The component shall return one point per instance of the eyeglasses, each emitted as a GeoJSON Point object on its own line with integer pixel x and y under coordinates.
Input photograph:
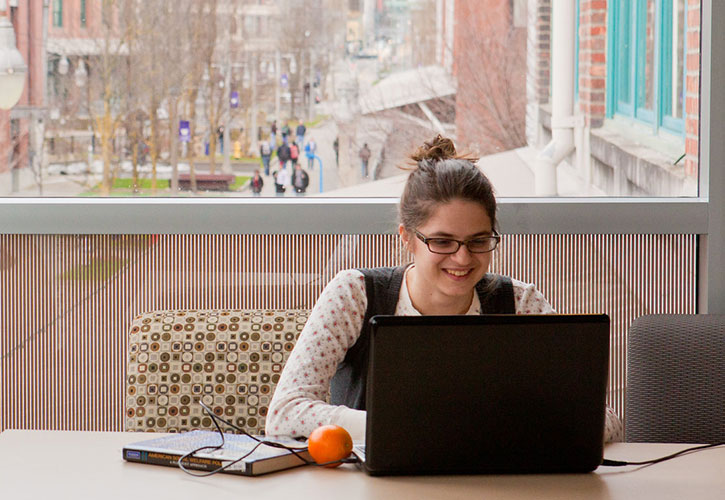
{"type": "Point", "coordinates": [447, 246]}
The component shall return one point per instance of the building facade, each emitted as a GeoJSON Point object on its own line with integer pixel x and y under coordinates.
{"type": "Point", "coordinates": [16, 125]}
{"type": "Point", "coordinates": [637, 67]}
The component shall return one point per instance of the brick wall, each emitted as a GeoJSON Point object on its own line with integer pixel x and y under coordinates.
{"type": "Point", "coordinates": [538, 55]}
{"type": "Point", "coordinates": [27, 22]}
{"type": "Point", "coordinates": [543, 50]}
{"type": "Point", "coordinates": [592, 60]}
{"type": "Point", "coordinates": [692, 88]}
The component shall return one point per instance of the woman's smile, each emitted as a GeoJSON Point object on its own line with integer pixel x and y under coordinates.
{"type": "Point", "coordinates": [443, 283]}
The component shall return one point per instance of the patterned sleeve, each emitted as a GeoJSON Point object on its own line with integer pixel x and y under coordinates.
{"type": "Point", "coordinates": [529, 300]}
{"type": "Point", "coordinates": [299, 404]}
{"type": "Point", "coordinates": [613, 429]}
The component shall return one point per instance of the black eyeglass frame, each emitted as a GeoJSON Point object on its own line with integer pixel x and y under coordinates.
{"type": "Point", "coordinates": [426, 240]}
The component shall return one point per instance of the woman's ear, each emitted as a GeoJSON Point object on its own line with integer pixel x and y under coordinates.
{"type": "Point", "coordinates": [404, 236]}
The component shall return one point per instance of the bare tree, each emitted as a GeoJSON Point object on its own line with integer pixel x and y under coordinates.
{"type": "Point", "coordinates": [306, 31]}
{"type": "Point", "coordinates": [105, 88]}
{"type": "Point", "coordinates": [491, 78]}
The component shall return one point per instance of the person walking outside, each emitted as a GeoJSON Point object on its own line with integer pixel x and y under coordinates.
{"type": "Point", "coordinates": [273, 134]}
{"type": "Point", "coordinates": [283, 154]}
{"type": "Point", "coordinates": [301, 130]}
{"type": "Point", "coordinates": [336, 147]}
{"type": "Point", "coordinates": [310, 152]}
{"type": "Point", "coordinates": [256, 183]}
{"type": "Point", "coordinates": [265, 151]}
{"type": "Point", "coordinates": [294, 153]}
{"type": "Point", "coordinates": [285, 132]}
{"type": "Point", "coordinates": [300, 180]}
{"type": "Point", "coordinates": [281, 181]}
{"type": "Point", "coordinates": [364, 155]}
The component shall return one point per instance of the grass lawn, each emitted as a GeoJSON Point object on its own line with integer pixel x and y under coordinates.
{"type": "Point", "coordinates": [239, 181]}
{"type": "Point", "coordinates": [142, 183]}
{"type": "Point", "coordinates": [316, 121]}
{"type": "Point", "coordinates": [124, 188]}
{"type": "Point", "coordinates": [219, 159]}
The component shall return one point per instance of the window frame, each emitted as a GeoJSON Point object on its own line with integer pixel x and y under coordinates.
{"type": "Point", "coordinates": [57, 13]}
{"type": "Point", "coordinates": [635, 14]}
{"type": "Point", "coordinates": [704, 215]}
{"type": "Point", "coordinates": [83, 14]}
{"type": "Point", "coordinates": [676, 125]}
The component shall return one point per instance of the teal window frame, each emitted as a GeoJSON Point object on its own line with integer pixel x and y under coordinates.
{"type": "Point", "coordinates": [665, 85]}
{"type": "Point", "coordinates": [576, 52]}
{"type": "Point", "coordinates": [58, 13]}
{"type": "Point", "coordinates": [626, 82]}
{"type": "Point", "coordinates": [84, 19]}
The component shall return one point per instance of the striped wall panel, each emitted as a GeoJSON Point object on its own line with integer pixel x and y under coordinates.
{"type": "Point", "coordinates": [624, 276]}
{"type": "Point", "coordinates": [67, 301]}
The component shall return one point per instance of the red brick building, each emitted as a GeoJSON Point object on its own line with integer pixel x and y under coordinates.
{"type": "Point", "coordinates": [15, 130]}
{"type": "Point", "coordinates": [638, 67]}
{"type": "Point", "coordinates": [69, 28]}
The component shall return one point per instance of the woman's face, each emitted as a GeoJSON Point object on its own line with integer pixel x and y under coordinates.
{"type": "Point", "coordinates": [448, 278]}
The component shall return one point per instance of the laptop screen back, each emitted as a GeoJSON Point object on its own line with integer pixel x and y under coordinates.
{"type": "Point", "coordinates": [486, 394]}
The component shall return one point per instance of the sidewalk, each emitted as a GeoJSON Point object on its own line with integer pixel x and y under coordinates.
{"type": "Point", "coordinates": [324, 135]}
{"type": "Point", "coordinates": [52, 185]}
{"type": "Point", "coordinates": [74, 181]}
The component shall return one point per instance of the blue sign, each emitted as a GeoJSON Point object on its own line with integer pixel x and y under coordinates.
{"type": "Point", "coordinates": [184, 131]}
{"type": "Point", "coordinates": [234, 99]}
{"type": "Point", "coordinates": [284, 80]}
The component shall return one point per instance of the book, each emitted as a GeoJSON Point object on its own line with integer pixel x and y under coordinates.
{"type": "Point", "coordinates": [264, 459]}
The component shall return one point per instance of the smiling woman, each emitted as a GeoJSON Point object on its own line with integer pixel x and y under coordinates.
{"type": "Point", "coordinates": [446, 197]}
{"type": "Point", "coordinates": [443, 282]}
{"type": "Point", "coordinates": [624, 257]}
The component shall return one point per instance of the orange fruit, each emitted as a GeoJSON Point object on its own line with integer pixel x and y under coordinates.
{"type": "Point", "coordinates": [329, 443]}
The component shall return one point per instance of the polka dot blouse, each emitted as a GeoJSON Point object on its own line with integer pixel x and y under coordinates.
{"type": "Point", "coordinates": [299, 404]}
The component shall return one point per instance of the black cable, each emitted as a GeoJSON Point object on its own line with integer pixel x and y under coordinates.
{"type": "Point", "coordinates": [687, 451]}
{"type": "Point", "coordinates": [215, 418]}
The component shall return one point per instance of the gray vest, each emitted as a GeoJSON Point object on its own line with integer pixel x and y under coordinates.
{"type": "Point", "coordinates": [382, 286]}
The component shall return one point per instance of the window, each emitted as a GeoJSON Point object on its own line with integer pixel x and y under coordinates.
{"type": "Point", "coordinates": [385, 75]}
{"type": "Point", "coordinates": [672, 60]}
{"type": "Point", "coordinates": [58, 13]}
{"type": "Point", "coordinates": [697, 223]}
{"type": "Point", "coordinates": [646, 70]}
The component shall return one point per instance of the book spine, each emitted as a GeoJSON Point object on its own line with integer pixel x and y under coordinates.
{"type": "Point", "coordinates": [172, 460]}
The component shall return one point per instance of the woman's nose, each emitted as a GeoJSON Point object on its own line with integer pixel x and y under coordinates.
{"type": "Point", "coordinates": [462, 254]}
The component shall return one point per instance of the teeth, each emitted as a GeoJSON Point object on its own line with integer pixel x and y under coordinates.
{"type": "Point", "coordinates": [457, 273]}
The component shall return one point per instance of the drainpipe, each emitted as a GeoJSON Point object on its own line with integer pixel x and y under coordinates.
{"type": "Point", "coordinates": [562, 98]}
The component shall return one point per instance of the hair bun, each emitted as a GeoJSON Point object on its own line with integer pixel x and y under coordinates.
{"type": "Point", "coordinates": [440, 148]}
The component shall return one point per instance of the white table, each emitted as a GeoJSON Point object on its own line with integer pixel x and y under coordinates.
{"type": "Point", "coordinates": [62, 464]}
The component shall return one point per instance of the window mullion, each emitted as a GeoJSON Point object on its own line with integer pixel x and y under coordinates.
{"type": "Point", "coordinates": [658, 48]}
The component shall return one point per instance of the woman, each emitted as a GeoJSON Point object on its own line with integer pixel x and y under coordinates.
{"type": "Point", "coordinates": [257, 183]}
{"type": "Point", "coordinates": [448, 222]}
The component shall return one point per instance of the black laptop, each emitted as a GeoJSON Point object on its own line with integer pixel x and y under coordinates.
{"type": "Point", "coordinates": [486, 394]}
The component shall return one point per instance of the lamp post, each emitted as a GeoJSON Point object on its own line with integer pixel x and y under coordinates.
{"type": "Point", "coordinates": [12, 66]}
{"type": "Point", "coordinates": [226, 138]}
{"type": "Point", "coordinates": [13, 71]}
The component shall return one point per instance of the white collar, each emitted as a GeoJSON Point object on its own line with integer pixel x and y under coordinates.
{"type": "Point", "coordinates": [405, 304]}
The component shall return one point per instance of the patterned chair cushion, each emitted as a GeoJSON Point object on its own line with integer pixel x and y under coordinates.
{"type": "Point", "coordinates": [230, 358]}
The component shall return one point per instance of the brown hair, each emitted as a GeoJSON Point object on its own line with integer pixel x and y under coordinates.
{"type": "Point", "coordinates": [440, 175]}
